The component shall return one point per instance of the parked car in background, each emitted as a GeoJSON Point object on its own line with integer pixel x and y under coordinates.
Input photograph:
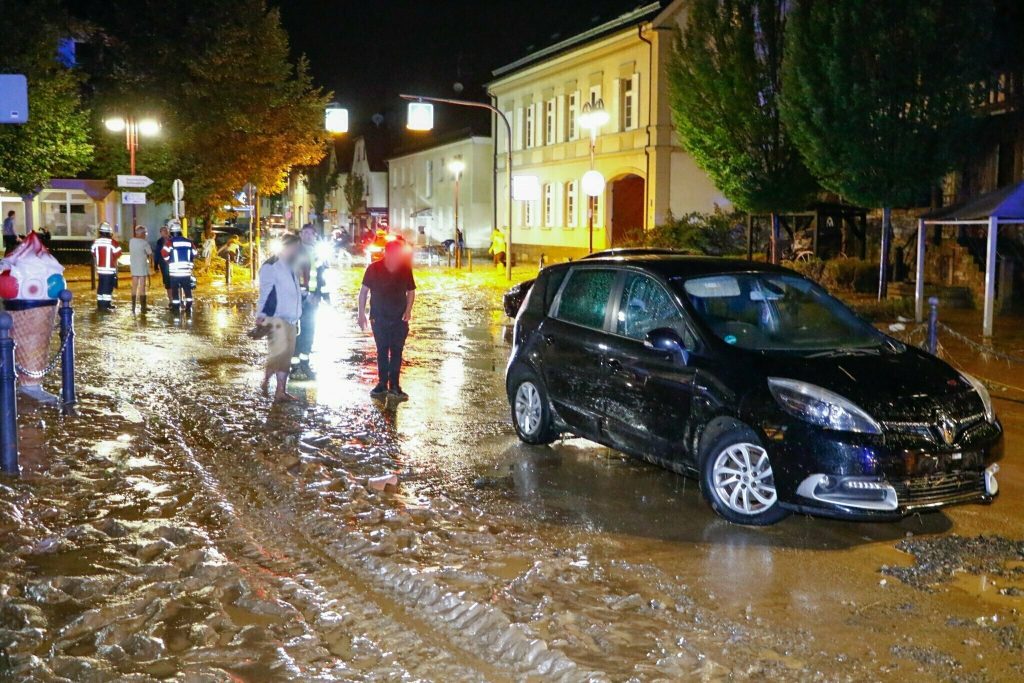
{"type": "Point", "coordinates": [513, 298]}
{"type": "Point", "coordinates": [753, 379]}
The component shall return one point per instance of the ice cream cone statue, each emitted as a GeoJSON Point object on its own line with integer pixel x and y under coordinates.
{"type": "Point", "coordinates": [31, 279]}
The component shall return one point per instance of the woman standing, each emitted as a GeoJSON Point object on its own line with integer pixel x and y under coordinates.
{"type": "Point", "coordinates": [277, 314]}
{"type": "Point", "coordinates": [140, 255]}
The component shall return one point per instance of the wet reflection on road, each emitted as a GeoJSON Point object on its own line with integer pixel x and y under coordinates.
{"type": "Point", "coordinates": [180, 522]}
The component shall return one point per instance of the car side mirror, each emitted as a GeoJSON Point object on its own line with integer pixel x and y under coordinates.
{"type": "Point", "coordinates": [668, 340]}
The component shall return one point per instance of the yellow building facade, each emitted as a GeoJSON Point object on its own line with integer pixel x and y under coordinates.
{"type": "Point", "coordinates": [622, 63]}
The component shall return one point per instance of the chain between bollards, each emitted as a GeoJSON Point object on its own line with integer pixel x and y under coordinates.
{"type": "Point", "coordinates": [8, 399]}
{"type": "Point", "coordinates": [933, 325]}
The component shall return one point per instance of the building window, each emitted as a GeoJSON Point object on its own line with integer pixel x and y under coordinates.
{"type": "Point", "coordinates": [594, 209]}
{"type": "Point", "coordinates": [549, 205]}
{"type": "Point", "coordinates": [570, 119]}
{"type": "Point", "coordinates": [527, 214]}
{"type": "Point", "coordinates": [628, 104]}
{"type": "Point", "coordinates": [549, 122]}
{"type": "Point", "coordinates": [430, 178]}
{"type": "Point", "coordinates": [595, 94]}
{"type": "Point", "coordinates": [570, 204]}
{"type": "Point", "coordinates": [69, 213]}
{"type": "Point", "coordinates": [529, 126]}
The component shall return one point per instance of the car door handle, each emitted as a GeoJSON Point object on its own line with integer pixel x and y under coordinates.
{"type": "Point", "coordinates": [549, 339]}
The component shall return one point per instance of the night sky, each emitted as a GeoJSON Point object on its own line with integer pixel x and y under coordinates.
{"type": "Point", "coordinates": [369, 51]}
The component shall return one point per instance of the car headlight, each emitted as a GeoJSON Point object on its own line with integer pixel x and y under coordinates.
{"type": "Point", "coordinates": [982, 391]}
{"type": "Point", "coordinates": [821, 407]}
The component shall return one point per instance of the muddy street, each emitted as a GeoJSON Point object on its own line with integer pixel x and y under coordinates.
{"type": "Point", "coordinates": [180, 526]}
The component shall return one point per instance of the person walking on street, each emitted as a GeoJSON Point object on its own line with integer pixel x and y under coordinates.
{"type": "Point", "coordinates": [310, 271]}
{"type": "Point", "coordinates": [180, 255]}
{"type": "Point", "coordinates": [278, 310]}
{"type": "Point", "coordinates": [10, 233]}
{"type": "Point", "coordinates": [161, 263]}
{"type": "Point", "coordinates": [140, 256]}
{"type": "Point", "coordinates": [392, 290]}
{"type": "Point", "coordinates": [105, 252]}
{"type": "Point", "coordinates": [498, 247]}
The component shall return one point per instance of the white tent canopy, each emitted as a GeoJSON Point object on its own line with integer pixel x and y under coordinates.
{"type": "Point", "coordinates": [1002, 207]}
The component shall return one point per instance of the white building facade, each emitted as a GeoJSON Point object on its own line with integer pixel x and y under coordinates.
{"type": "Point", "coordinates": [424, 187]}
{"type": "Point", "coordinates": [622, 63]}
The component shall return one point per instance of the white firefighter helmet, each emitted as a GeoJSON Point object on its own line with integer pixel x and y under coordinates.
{"type": "Point", "coordinates": [105, 228]}
{"type": "Point", "coordinates": [174, 226]}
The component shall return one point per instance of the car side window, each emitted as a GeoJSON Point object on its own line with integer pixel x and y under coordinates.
{"type": "Point", "coordinates": [584, 298]}
{"type": "Point", "coordinates": [646, 306]}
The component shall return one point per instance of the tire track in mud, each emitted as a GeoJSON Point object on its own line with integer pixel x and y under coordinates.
{"type": "Point", "coordinates": [454, 638]}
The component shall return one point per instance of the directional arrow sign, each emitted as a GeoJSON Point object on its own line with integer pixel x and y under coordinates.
{"type": "Point", "coordinates": [133, 197]}
{"type": "Point", "coordinates": [133, 181]}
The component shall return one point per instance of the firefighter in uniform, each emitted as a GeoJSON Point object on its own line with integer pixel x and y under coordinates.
{"type": "Point", "coordinates": [310, 272]}
{"type": "Point", "coordinates": [180, 255]}
{"type": "Point", "coordinates": [105, 252]}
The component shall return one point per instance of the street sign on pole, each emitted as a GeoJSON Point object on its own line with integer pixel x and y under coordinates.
{"type": "Point", "coordinates": [178, 191]}
{"type": "Point", "coordinates": [133, 181]}
{"type": "Point", "coordinates": [133, 197]}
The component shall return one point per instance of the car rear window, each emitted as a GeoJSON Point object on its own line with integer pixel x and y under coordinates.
{"type": "Point", "coordinates": [584, 299]}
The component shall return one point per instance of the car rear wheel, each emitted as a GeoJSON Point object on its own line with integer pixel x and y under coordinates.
{"type": "Point", "coordinates": [531, 414]}
{"type": "Point", "coordinates": [737, 479]}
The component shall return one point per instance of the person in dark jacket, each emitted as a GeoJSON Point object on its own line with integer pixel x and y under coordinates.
{"type": "Point", "coordinates": [161, 263]}
{"type": "Point", "coordinates": [392, 290]}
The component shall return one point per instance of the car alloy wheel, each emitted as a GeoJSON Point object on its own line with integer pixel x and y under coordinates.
{"type": "Point", "coordinates": [742, 478]}
{"type": "Point", "coordinates": [529, 409]}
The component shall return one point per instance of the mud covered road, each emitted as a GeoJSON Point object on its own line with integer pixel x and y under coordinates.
{"type": "Point", "coordinates": [180, 527]}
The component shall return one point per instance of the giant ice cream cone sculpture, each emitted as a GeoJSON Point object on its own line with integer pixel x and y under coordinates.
{"type": "Point", "coordinates": [30, 281]}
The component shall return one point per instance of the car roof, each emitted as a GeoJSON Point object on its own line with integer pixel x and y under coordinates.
{"type": "Point", "coordinates": [630, 251]}
{"type": "Point", "coordinates": [680, 265]}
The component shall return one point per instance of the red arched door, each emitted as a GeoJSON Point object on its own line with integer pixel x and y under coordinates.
{"type": "Point", "coordinates": [627, 200]}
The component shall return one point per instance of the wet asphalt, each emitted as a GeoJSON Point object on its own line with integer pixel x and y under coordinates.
{"type": "Point", "coordinates": [180, 526]}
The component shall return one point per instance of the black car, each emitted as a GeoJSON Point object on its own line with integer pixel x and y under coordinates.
{"type": "Point", "coordinates": [753, 379]}
{"type": "Point", "coordinates": [513, 298]}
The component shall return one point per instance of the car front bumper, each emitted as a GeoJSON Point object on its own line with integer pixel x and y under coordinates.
{"type": "Point", "coordinates": [854, 477]}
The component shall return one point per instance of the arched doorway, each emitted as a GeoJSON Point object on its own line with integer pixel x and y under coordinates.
{"type": "Point", "coordinates": [627, 210]}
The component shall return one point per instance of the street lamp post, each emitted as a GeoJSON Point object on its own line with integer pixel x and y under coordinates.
{"type": "Point", "coordinates": [457, 166]}
{"type": "Point", "coordinates": [592, 118]}
{"type": "Point", "coordinates": [419, 100]}
{"type": "Point", "coordinates": [131, 127]}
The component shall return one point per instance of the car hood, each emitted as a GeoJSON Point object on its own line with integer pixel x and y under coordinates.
{"type": "Point", "coordinates": [887, 384]}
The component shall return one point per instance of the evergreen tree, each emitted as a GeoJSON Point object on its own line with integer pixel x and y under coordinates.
{"type": "Point", "coordinates": [879, 96]}
{"type": "Point", "coordinates": [725, 79]}
{"type": "Point", "coordinates": [55, 141]}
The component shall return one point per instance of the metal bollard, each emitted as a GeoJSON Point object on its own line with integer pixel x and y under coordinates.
{"type": "Point", "coordinates": [67, 352]}
{"type": "Point", "coordinates": [227, 272]}
{"type": "Point", "coordinates": [933, 325]}
{"type": "Point", "coordinates": [92, 274]}
{"type": "Point", "coordinates": [8, 399]}
{"type": "Point", "coordinates": [540, 262]}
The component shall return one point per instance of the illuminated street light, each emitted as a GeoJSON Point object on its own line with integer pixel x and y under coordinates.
{"type": "Point", "coordinates": [115, 124]}
{"type": "Point", "coordinates": [592, 118]}
{"type": "Point", "coordinates": [149, 127]}
{"type": "Point", "coordinates": [420, 116]}
{"type": "Point", "coordinates": [132, 127]}
{"type": "Point", "coordinates": [423, 119]}
{"type": "Point", "coordinates": [336, 119]}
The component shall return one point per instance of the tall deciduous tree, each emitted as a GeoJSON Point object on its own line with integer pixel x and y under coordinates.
{"type": "Point", "coordinates": [725, 78]}
{"type": "Point", "coordinates": [55, 141]}
{"type": "Point", "coordinates": [321, 179]}
{"type": "Point", "coordinates": [355, 192]}
{"type": "Point", "coordinates": [235, 108]}
{"type": "Point", "coordinates": [879, 96]}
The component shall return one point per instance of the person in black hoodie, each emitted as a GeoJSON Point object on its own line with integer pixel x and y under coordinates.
{"type": "Point", "coordinates": [161, 263]}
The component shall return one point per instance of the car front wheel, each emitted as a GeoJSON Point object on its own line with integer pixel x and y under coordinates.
{"type": "Point", "coordinates": [531, 414]}
{"type": "Point", "coordinates": [737, 479]}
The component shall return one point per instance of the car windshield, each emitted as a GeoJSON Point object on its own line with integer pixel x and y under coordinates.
{"type": "Point", "coordinates": [775, 312]}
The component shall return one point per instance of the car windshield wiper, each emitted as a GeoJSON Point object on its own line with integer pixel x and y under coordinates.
{"type": "Point", "coordinates": [853, 351]}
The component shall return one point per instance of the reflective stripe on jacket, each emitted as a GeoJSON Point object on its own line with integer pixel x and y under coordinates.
{"type": "Point", "coordinates": [180, 255]}
{"type": "Point", "coordinates": [105, 252]}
